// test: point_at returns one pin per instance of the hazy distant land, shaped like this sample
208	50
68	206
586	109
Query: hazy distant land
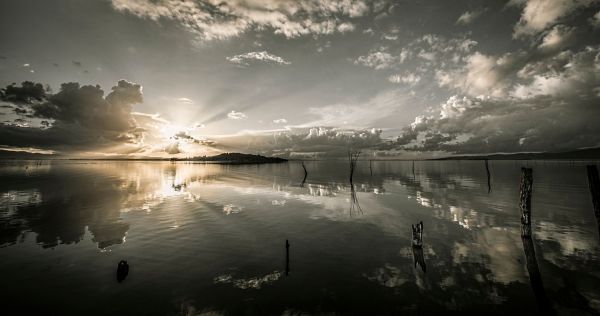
230	158
241	158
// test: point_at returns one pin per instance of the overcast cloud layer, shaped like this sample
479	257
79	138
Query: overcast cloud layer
299	78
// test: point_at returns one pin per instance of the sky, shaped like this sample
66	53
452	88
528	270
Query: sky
298	79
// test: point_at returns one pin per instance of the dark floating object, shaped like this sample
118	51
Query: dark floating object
122	270
287	257
525	201
417	235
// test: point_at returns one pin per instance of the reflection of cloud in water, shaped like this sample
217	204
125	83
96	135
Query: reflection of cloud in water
232	209
495	248
388	276
10	201
572	240
278	202
188	309
249	283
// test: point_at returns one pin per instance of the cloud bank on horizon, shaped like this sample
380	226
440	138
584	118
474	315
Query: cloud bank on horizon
300	78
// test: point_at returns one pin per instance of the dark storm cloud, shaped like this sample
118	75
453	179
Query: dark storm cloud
81	117
27	93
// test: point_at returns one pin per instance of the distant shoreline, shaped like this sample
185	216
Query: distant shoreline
589	154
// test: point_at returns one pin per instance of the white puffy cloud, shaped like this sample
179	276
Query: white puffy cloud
172	149
345	27
233	115
317	141
280	121
263	56
216	19
515	103
557	37
482	75
538	15
568	74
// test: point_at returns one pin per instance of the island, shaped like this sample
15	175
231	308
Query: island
234	158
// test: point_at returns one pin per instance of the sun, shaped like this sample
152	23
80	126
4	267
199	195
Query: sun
169	130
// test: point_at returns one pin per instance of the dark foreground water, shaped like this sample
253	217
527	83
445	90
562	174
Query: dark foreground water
210	239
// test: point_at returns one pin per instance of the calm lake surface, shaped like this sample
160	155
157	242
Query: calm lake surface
210	239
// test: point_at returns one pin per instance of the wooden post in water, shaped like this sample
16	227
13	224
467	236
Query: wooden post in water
305	174
371	167
525	201
417	235
352	158
594	185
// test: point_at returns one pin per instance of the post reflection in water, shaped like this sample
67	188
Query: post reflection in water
206	238
536	278
287	257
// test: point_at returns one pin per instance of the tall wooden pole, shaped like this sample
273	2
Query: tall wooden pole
594	185
525	201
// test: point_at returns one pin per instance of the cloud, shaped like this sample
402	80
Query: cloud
304	142
525	103
471	125
280	121
558	37
28	92
537	15
407	78
172	149
77	117
595	20
378	60
431	50
264	56
233	115
185	101
345	27
468	16
567	75
183	135
214	20
481	75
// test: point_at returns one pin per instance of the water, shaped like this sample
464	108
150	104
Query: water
204	238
